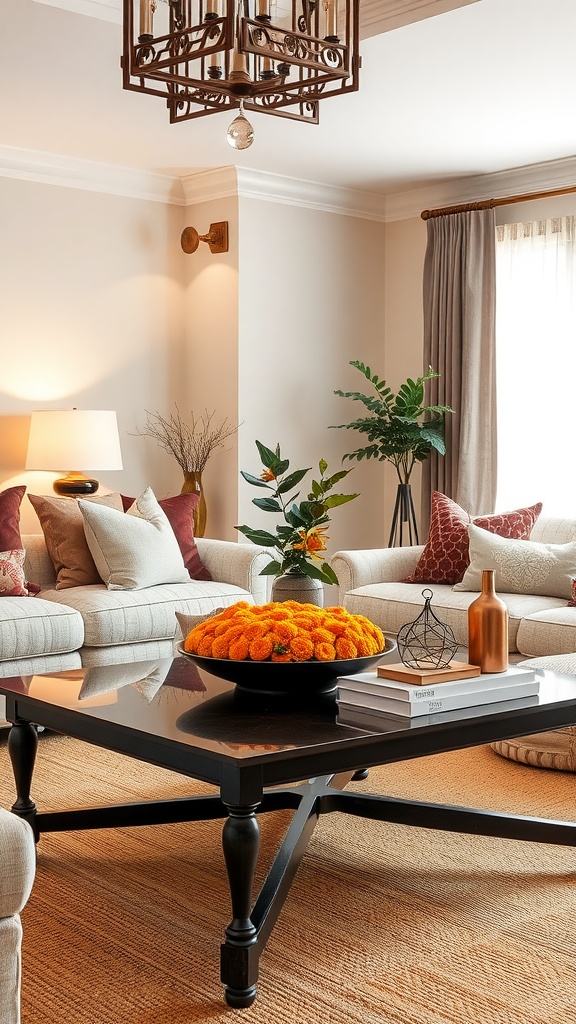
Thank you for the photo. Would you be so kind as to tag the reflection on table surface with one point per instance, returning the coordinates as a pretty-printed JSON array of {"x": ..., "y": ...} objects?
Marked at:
[{"x": 171, "y": 699}]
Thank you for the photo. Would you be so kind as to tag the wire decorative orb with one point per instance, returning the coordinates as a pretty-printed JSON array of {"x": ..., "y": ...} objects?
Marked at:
[{"x": 426, "y": 643}]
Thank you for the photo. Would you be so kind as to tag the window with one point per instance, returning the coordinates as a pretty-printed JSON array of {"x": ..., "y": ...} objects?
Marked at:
[{"x": 536, "y": 364}]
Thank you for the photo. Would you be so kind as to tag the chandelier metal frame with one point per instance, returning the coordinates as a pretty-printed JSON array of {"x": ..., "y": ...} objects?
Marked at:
[{"x": 219, "y": 54}]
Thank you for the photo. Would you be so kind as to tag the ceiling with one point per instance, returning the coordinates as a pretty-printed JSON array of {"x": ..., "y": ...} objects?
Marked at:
[{"x": 486, "y": 86}]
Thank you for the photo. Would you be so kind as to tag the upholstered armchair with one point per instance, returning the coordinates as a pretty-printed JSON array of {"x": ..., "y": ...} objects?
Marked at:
[{"x": 17, "y": 870}]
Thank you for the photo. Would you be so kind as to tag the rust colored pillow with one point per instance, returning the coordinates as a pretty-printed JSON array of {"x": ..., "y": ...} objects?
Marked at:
[
  {"x": 179, "y": 510},
  {"x": 445, "y": 556},
  {"x": 63, "y": 528},
  {"x": 572, "y": 601},
  {"x": 10, "y": 501}
]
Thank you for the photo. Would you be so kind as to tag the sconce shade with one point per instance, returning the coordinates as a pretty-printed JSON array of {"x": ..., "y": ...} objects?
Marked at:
[{"x": 75, "y": 438}]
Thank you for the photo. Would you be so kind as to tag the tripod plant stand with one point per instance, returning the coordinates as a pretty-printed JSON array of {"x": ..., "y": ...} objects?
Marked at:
[{"x": 404, "y": 513}]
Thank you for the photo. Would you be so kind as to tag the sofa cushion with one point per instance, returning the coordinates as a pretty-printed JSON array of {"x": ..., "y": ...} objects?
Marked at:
[
  {"x": 445, "y": 555},
  {"x": 548, "y": 632},
  {"x": 179, "y": 511},
  {"x": 392, "y": 605},
  {"x": 521, "y": 566},
  {"x": 63, "y": 528},
  {"x": 136, "y": 549},
  {"x": 39, "y": 627},
  {"x": 131, "y": 616}
]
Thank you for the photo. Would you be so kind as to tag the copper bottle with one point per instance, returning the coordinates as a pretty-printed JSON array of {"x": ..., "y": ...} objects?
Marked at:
[{"x": 488, "y": 628}]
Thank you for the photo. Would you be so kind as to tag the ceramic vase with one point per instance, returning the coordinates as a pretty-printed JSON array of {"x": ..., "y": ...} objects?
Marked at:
[
  {"x": 294, "y": 586},
  {"x": 193, "y": 485},
  {"x": 488, "y": 628}
]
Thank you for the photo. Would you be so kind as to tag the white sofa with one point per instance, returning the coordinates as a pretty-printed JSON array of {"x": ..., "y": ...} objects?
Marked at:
[
  {"x": 369, "y": 584},
  {"x": 18, "y": 860}
]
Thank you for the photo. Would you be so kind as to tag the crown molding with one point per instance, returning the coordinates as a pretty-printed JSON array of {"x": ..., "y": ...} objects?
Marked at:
[
  {"x": 378, "y": 16},
  {"x": 243, "y": 182},
  {"x": 91, "y": 176},
  {"x": 516, "y": 181},
  {"x": 211, "y": 183},
  {"x": 276, "y": 188},
  {"x": 246, "y": 183},
  {"x": 375, "y": 15}
]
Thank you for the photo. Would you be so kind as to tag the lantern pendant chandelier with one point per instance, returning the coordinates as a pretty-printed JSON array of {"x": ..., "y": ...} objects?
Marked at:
[{"x": 205, "y": 56}]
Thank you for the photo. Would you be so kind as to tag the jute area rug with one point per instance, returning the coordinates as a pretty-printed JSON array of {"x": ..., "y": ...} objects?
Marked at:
[{"x": 384, "y": 924}]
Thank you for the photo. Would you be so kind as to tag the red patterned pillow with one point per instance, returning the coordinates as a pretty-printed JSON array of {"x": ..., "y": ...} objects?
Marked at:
[
  {"x": 179, "y": 510},
  {"x": 12, "y": 579},
  {"x": 572, "y": 601},
  {"x": 445, "y": 556}
]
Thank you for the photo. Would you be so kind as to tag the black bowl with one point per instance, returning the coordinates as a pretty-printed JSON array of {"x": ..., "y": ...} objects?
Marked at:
[{"x": 291, "y": 678}]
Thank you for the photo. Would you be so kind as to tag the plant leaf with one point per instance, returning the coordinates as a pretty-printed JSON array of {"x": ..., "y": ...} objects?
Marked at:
[
  {"x": 261, "y": 537},
  {"x": 267, "y": 504}
]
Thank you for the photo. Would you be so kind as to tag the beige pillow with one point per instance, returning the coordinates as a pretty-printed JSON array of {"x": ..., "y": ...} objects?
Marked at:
[
  {"x": 133, "y": 549},
  {"x": 187, "y": 622},
  {"x": 63, "y": 528},
  {"x": 522, "y": 566}
]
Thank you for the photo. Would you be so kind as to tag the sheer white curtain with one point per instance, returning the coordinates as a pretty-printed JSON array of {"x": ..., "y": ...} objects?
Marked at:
[{"x": 536, "y": 364}]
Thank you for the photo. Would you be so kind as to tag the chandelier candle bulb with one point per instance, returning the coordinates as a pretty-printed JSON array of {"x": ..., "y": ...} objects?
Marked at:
[
  {"x": 263, "y": 9},
  {"x": 330, "y": 8},
  {"x": 146, "y": 11},
  {"x": 488, "y": 628}
]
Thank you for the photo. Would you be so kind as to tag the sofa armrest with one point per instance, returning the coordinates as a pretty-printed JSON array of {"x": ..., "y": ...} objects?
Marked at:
[
  {"x": 229, "y": 561},
  {"x": 373, "y": 565},
  {"x": 18, "y": 860}
]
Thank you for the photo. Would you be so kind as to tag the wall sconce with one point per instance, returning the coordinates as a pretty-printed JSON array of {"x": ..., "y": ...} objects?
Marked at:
[
  {"x": 217, "y": 238},
  {"x": 73, "y": 437}
]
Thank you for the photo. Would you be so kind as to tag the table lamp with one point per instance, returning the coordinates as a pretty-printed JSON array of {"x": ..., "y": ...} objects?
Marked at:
[{"x": 60, "y": 439}]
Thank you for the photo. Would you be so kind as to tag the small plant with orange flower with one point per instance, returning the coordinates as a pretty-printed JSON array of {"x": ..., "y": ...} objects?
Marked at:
[
  {"x": 283, "y": 632},
  {"x": 301, "y": 538}
]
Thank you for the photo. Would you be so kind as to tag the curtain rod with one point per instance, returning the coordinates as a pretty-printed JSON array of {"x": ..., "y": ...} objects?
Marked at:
[{"x": 488, "y": 204}]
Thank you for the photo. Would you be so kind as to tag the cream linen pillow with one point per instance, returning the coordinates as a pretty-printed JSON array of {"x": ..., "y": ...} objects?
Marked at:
[
  {"x": 133, "y": 549},
  {"x": 522, "y": 566}
]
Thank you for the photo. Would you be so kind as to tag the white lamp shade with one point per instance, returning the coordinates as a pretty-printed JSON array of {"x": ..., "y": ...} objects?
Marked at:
[{"x": 73, "y": 439}]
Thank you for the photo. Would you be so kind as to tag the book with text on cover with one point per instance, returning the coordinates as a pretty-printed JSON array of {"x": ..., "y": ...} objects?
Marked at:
[
  {"x": 353, "y": 717},
  {"x": 372, "y": 682},
  {"x": 409, "y": 709}
]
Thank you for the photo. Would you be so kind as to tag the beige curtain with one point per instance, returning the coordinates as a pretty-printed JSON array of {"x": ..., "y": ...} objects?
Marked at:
[{"x": 459, "y": 294}]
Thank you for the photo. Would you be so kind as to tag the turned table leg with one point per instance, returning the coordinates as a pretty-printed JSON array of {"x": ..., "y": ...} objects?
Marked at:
[
  {"x": 22, "y": 746},
  {"x": 239, "y": 953}
]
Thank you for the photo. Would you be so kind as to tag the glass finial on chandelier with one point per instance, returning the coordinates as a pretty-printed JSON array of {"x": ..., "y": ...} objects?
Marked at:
[{"x": 240, "y": 134}]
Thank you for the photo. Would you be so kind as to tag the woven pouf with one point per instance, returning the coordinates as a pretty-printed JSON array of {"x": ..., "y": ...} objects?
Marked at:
[{"x": 554, "y": 749}]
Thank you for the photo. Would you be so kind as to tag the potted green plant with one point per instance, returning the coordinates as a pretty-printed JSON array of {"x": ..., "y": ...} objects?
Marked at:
[
  {"x": 300, "y": 539},
  {"x": 400, "y": 429}
]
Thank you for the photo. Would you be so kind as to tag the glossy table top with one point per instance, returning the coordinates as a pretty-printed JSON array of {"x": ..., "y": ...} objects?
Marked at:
[{"x": 175, "y": 703}]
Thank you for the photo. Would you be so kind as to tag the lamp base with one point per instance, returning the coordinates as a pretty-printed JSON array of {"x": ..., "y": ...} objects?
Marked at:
[{"x": 75, "y": 484}]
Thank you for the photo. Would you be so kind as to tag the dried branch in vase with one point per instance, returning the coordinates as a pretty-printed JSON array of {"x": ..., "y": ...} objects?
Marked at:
[{"x": 190, "y": 442}]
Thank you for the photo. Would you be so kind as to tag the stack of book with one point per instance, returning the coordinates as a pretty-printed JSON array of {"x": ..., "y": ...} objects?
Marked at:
[{"x": 409, "y": 693}]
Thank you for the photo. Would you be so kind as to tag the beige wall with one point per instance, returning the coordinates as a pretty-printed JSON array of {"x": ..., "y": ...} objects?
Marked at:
[
  {"x": 403, "y": 320},
  {"x": 91, "y": 316},
  {"x": 311, "y": 299},
  {"x": 210, "y": 362},
  {"x": 101, "y": 309}
]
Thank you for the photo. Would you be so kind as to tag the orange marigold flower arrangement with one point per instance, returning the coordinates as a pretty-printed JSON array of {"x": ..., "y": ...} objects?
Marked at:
[{"x": 285, "y": 632}]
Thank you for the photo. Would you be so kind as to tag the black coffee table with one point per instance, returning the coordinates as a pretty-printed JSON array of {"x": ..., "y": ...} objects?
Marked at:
[{"x": 254, "y": 749}]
